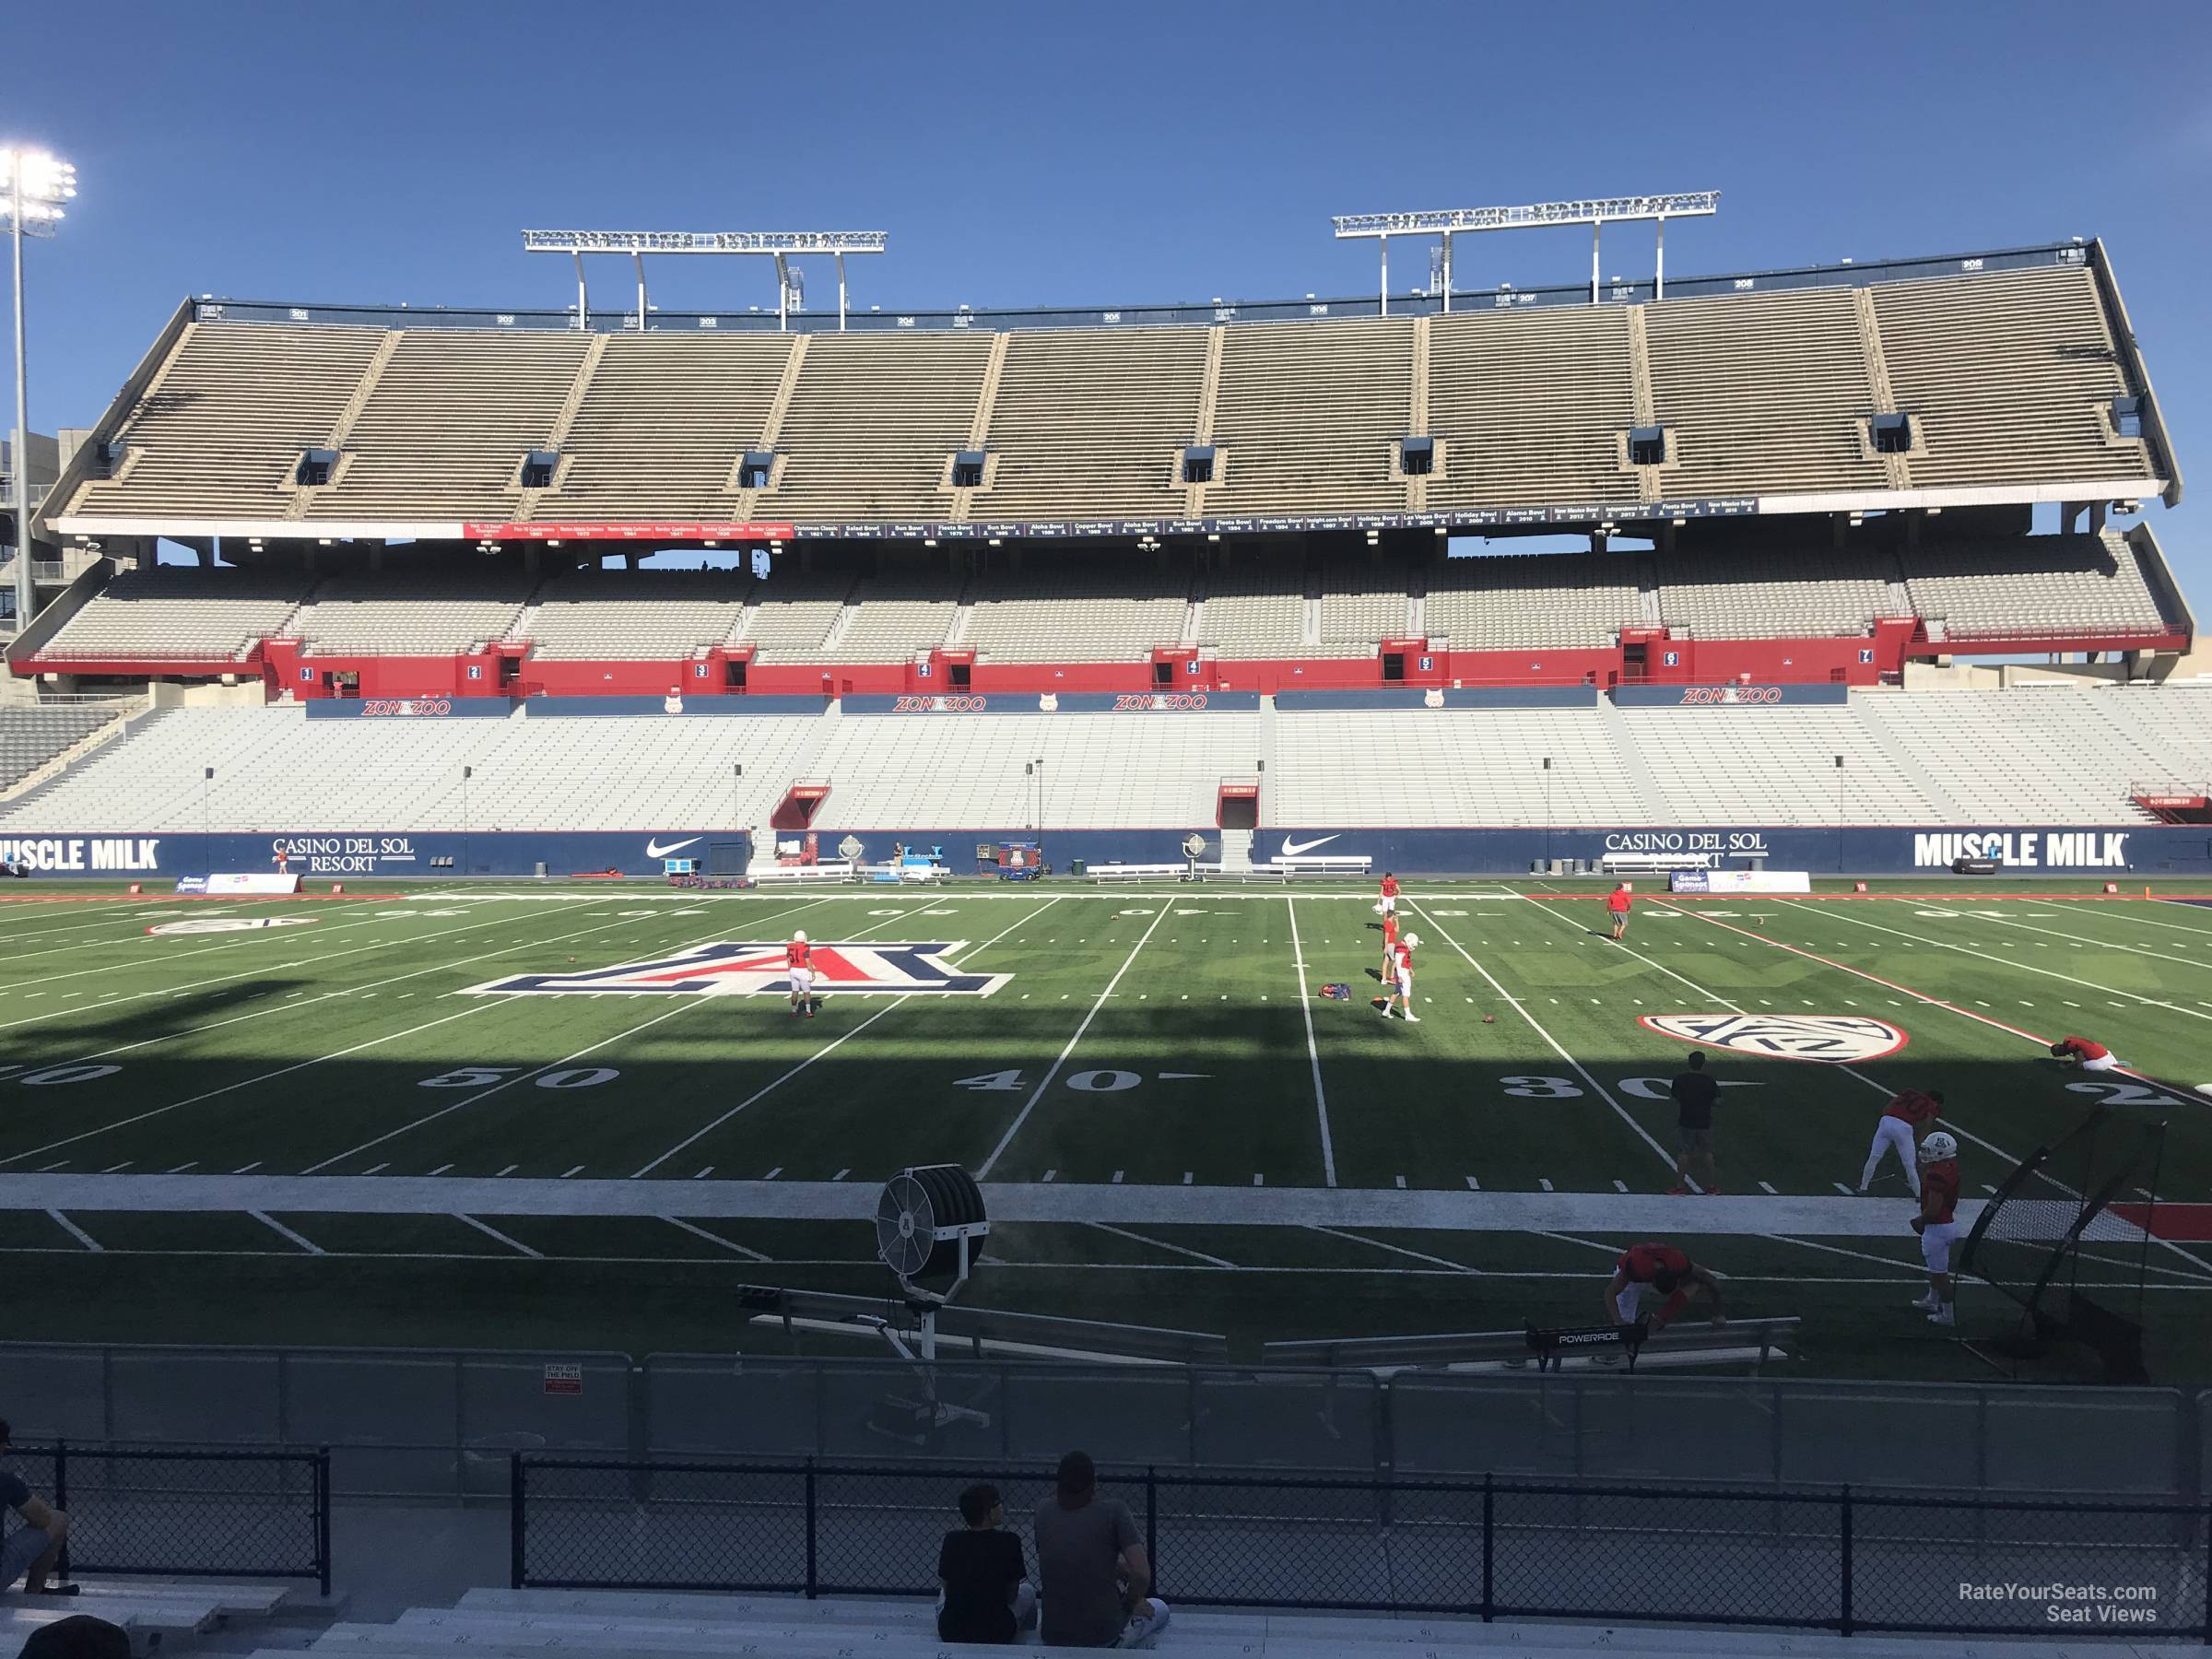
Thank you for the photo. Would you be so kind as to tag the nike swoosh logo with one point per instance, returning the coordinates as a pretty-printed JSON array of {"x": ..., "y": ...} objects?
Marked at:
[
  {"x": 1292, "y": 849},
  {"x": 655, "y": 849}
]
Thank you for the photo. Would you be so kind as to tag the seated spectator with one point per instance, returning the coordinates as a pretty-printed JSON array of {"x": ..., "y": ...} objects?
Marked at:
[
  {"x": 1091, "y": 1566},
  {"x": 31, "y": 1550},
  {"x": 987, "y": 1593},
  {"x": 79, "y": 1636}
]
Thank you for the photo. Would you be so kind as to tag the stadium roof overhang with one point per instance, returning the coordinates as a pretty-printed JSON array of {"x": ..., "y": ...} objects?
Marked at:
[{"x": 1564, "y": 516}]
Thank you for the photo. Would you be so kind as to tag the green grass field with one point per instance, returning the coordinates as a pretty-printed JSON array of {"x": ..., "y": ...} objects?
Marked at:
[{"x": 324, "y": 1132}]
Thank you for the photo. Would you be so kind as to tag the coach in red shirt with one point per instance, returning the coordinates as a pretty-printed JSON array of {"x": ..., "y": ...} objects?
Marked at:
[{"x": 1618, "y": 901}]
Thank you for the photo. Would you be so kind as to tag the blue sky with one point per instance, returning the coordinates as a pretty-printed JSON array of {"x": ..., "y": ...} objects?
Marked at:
[{"x": 1056, "y": 153}]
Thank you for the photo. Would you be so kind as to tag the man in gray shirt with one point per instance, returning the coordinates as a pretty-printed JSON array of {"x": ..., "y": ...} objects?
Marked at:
[{"x": 1094, "y": 1577}]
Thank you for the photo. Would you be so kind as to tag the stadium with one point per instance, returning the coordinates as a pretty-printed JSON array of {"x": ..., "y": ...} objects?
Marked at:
[{"x": 1077, "y": 687}]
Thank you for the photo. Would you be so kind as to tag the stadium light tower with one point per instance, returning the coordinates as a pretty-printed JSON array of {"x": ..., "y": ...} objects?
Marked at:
[
  {"x": 35, "y": 186},
  {"x": 1595, "y": 212},
  {"x": 783, "y": 246}
]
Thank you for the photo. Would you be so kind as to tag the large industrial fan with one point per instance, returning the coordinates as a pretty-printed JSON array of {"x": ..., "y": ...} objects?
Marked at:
[{"x": 926, "y": 1220}]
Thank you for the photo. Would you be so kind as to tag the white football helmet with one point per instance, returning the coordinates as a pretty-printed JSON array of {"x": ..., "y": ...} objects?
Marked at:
[
  {"x": 1413, "y": 941},
  {"x": 799, "y": 938},
  {"x": 1940, "y": 1147}
]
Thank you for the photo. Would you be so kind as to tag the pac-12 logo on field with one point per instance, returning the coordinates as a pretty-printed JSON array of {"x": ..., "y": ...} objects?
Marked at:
[
  {"x": 1837, "y": 1038},
  {"x": 752, "y": 968}
]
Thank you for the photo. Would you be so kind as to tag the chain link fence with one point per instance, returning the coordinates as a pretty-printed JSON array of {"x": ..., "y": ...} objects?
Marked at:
[
  {"x": 444, "y": 1423},
  {"x": 207, "y": 1513},
  {"x": 1836, "y": 1559}
]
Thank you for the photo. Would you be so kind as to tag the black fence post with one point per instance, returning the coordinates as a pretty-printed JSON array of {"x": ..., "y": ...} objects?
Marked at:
[
  {"x": 515, "y": 1521},
  {"x": 813, "y": 1578},
  {"x": 1489, "y": 1520},
  {"x": 1845, "y": 1624},
  {"x": 1151, "y": 1524},
  {"x": 61, "y": 1501},
  {"x": 323, "y": 1521}
]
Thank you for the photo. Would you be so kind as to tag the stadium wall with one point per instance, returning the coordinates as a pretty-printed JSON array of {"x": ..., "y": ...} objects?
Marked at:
[{"x": 2138, "y": 850}]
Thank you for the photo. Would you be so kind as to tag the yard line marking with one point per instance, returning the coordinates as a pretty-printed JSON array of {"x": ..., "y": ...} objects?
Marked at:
[
  {"x": 1305, "y": 1006},
  {"x": 768, "y": 1088},
  {"x": 276, "y": 1226},
  {"x": 376, "y": 1169},
  {"x": 494, "y": 1232},
  {"x": 75, "y": 1231},
  {"x": 510, "y": 1169},
  {"x": 1766, "y": 1187},
  {"x": 272, "y": 938},
  {"x": 1028, "y": 1106},
  {"x": 394, "y": 980},
  {"x": 2104, "y": 943},
  {"x": 715, "y": 1238},
  {"x": 1399, "y": 1249},
  {"x": 570, "y": 1174},
  {"x": 2024, "y": 968},
  {"x": 535, "y": 1071},
  {"x": 126, "y": 1164},
  {"x": 1121, "y": 1232},
  {"x": 1936, "y": 1002},
  {"x": 682, "y": 1006},
  {"x": 1596, "y": 1088},
  {"x": 242, "y": 1083}
]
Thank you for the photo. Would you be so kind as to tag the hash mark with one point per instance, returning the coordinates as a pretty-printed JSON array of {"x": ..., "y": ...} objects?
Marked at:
[
  {"x": 577, "y": 1171},
  {"x": 1259, "y": 1180},
  {"x": 442, "y": 1168},
  {"x": 1544, "y": 1183},
  {"x": 1847, "y": 1191},
  {"x": 374, "y": 1169},
  {"x": 510, "y": 1169},
  {"x": 1401, "y": 1180},
  {"x": 774, "y": 1173},
  {"x": 840, "y": 1174},
  {"x": 704, "y": 1173},
  {"x": 1474, "y": 1185},
  {"x": 1766, "y": 1186},
  {"x": 1186, "y": 1178},
  {"x": 1117, "y": 1178},
  {"x": 1049, "y": 1173},
  {"x": 1620, "y": 1186}
]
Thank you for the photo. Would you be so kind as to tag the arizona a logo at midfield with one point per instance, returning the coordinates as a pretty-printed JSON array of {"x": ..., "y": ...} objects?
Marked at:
[
  {"x": 1837, "y": 1038},
  {"x": 730, "y": 968}
]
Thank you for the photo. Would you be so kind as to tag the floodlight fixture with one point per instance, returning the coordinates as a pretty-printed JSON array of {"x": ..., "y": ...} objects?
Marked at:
[
  {"x": 778, "y": 245},
  {"x": 33, "y": 185},
  {"x": 1595, "y": 212}
]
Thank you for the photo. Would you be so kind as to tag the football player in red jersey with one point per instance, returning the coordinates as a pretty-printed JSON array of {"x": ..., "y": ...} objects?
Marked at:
[
  {"x": 1398, "y": 988},
  {"x": 2093, "y": 1056},
  {"x": 1905, "y": 1122},
  {"x": 1390, "y": 951},
  {"x": 1390, "y": 895},
  {"x": 1646, "y": 1268},
  {"x": 798, "y": 961},
  {"x": 1937, "y": 1224}
]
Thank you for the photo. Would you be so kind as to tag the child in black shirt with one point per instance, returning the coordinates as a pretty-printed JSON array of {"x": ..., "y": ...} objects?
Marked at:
[{"x": 986, "y": 1593}]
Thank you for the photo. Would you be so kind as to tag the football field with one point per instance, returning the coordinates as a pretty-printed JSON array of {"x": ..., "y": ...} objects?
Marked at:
[{"x": 508, "y": 1114}]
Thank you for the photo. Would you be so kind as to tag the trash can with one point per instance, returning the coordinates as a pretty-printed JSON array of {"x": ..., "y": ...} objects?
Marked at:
[{"x": 1077, "y": 867}]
